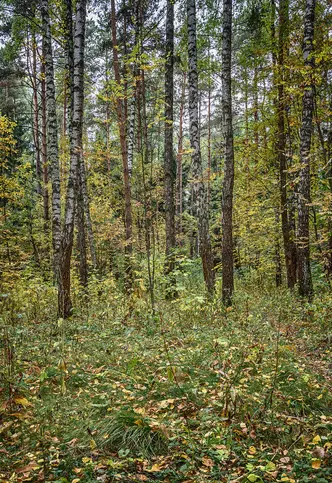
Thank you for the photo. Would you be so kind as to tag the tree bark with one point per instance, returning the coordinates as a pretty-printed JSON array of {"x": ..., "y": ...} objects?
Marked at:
[
  {"x": 227, "y": 257},
  {"x": 76, "y": 148},
  {"x": 168, "y": 155},
  {"x": 281, "y": 147},
  {"x": 304, "y": 271},
  {"x": 52, "y": 134},
  {"x": 199, "y": 191},
  {"x": 179, "y": 183}
]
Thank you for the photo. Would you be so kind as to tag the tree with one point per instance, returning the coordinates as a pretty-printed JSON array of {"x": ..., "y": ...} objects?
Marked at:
[
  {"x": 228, "y": 182},
  {"x": 199, "y": 192},
  {"x": 304, "y": 271},
  {"x": 52, "y": 136},
  {"x": 76, "y": 158},
  {"x": 169, "y": 178}
]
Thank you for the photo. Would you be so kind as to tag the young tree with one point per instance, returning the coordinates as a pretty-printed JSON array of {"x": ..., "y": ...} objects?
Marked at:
[
  {"x": 304, "y": 271},
  {"x": 228, "y": 182},
  {"x": 199, "y": 192}
]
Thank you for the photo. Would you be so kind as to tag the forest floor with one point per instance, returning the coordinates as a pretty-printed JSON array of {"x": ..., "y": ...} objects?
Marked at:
[{"x": 192, "y": 393}]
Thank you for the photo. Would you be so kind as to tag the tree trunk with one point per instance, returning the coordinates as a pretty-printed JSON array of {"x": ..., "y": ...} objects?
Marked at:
[
  {"x": 44, "y": 146},
  {"x": 179, "y": 183},
  {"x": 228, "y": 182},
  {"x": 168, "y": 155},
  {"x": 52, "y": 135},
  {"x": 281, "y": 146},
  {"x": 304, "y": 271},
  {"x": 76, "y": 148},
  {"x": 122, "y": 123},
  {"x": 199, "y": 192}
]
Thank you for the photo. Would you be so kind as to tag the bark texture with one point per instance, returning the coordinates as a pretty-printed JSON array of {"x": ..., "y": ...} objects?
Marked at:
[
  {"x": 168, "y": 156},
  {"x": 76, "y": 153},
  {"x": 52, "y": 134},
  {"x": 198, "y": 187},
  {"x": 304, "y": 271},
  {"x": 227, "y": 258}
]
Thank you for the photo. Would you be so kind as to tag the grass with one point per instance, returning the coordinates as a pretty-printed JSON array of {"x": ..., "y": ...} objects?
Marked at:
[{"x": 193, "y": 393}]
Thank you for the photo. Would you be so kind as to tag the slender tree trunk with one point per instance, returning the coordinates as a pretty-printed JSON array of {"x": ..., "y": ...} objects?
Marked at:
[
  {"x": 281, "y": 146},
  {"x": 36, "y": 129},
  {"x": 199, "y": 192},
  {"x": 52, "y": 134},
  {"x": 304, "y": 271},
  {"x": 168, "y": 155},
  {"x": 179, "y": 183},
  {"x": 122, "y": 123},
  {"x": 228, "y": 182},
  {"x": 44, "y": 145},
  {"x": 76, "y": 148}
]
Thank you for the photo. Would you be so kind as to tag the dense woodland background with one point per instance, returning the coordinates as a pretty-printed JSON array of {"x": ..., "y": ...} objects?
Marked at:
[{"x": 166, "y": 240}]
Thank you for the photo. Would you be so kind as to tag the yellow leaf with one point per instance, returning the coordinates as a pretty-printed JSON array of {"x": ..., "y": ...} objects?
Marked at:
[
  {"x": 22, "y": 401},
  {"x": 315, "y": 463},
  {"x": 75, "y": 480},
  {"x": 252, "y": 450},
  {"x": 86, "y": 460},
  {"x": 316, "y": 439},
  {"x": 139, "y": 422},
  {"x": 93, "y": 444}
]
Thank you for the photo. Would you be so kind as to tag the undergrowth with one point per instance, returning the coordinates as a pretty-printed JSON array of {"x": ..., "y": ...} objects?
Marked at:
[{"x": 189, "y": 392}]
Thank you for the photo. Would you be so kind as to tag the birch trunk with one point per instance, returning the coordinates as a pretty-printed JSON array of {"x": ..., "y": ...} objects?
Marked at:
[
  {"x": 76, "y": 148},
  {"x": 304, "y": 271},
  {"x": 52, "y": 134},
  {"x": 227, "y": 257},
  {"x": 199, "y": 191}
]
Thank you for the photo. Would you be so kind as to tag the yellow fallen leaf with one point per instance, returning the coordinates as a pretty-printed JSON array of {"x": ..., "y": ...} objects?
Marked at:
[
  {"x": 93, "y": 444},
  {"x": 252, "y": 450},
  {"x": 316, "y": 439},
  {"x": 75, "y": 480},
  {"x": 22, "y": 401},
  {"x": 315, "y": 463}
]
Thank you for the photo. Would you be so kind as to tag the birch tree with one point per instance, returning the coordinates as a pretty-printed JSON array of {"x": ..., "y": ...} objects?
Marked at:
[
  {"x": 199, "y": 192},
  {"x": 304, "y": 271}
]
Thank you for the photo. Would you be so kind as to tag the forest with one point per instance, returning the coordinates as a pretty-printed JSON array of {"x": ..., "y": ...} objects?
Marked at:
[{"x": 165, "y": 241}]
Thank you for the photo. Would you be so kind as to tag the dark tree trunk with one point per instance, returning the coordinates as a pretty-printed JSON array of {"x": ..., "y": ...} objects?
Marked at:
[
  {"x": 228, "y": 182},
  {"x": 304, "y": 271},
  {"x": 289, "y": 243},
  {"x": 199, "y": 191}
]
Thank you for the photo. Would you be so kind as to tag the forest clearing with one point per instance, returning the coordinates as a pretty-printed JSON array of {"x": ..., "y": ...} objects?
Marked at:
[{"x": 165, "y": 241}]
